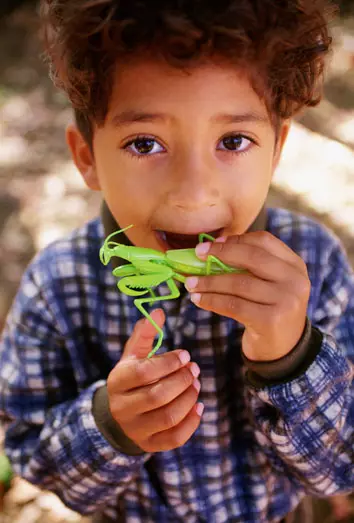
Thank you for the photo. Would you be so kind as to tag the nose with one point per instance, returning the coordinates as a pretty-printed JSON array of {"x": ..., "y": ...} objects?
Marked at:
[{"x": 195, "y": 185}]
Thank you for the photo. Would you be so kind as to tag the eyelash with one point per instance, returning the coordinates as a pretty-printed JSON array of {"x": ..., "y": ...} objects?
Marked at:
[{"x": 147, "y": 137}]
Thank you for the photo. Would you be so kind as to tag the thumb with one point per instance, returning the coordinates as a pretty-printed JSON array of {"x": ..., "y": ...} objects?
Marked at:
[{"x": 142, "y": 339}]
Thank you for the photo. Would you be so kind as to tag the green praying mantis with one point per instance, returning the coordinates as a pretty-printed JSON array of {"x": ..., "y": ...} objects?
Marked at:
[{"x": 149, "y": 268}]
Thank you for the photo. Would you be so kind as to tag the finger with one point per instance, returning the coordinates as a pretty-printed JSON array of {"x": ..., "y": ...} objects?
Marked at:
[
  {"x": 177, "y": 436},
  {"x": 271, "y": 244},
  {"x": 248, "y": 313},
  {"x": 166, "y": 417},
  {"x": 146, "y": 399},
  {"x": 255, "y": 259},
  {"x": 133, "y": 373},
  {"x": 142, "y": 339},
  {"x": 244, "y": 285}
]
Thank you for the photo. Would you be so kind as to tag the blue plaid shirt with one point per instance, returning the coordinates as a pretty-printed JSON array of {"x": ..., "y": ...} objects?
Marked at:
[{"x": 257, "y": 451}]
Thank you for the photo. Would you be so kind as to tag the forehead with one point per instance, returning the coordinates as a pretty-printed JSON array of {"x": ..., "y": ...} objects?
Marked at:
[{"x": 151, "y": 81}]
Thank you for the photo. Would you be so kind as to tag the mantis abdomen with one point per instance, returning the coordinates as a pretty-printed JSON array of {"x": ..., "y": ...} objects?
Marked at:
[{"x": 186, "y": 261}]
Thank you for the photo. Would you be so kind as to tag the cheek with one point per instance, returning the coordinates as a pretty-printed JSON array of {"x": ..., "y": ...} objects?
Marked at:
[
  {"x": 126, "y": 189},
  {"x": 251, "y": 178},
  {"x": 249, "y": 189}
]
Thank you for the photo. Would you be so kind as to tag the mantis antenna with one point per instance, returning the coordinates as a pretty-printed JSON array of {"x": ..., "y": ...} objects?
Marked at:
[{"x": 117, "y": 232}]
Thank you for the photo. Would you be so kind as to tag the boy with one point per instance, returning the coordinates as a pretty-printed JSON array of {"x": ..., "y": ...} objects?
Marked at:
[{"x": 182, "y": 109}]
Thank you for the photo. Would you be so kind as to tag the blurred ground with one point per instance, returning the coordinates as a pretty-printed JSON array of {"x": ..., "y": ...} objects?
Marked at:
[{"x": 42, "y": 197}]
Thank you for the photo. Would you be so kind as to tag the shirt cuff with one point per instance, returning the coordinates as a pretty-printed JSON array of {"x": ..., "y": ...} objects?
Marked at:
[
  {"x": 109, "y": 428},
  {"x": 267, "y": 373}
]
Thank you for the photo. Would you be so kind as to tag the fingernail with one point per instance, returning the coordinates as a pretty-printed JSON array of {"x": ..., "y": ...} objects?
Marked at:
[
  {"x": 196, "y": 385},
  {"x": 202, "y": 248},
  {"x": 195, "y": 297},
  {"x": 221, "y": 239},
  {"x": 195, "y": 370},
  {"x": 184, "y": 357},
  {"x": 199, "y": 408},
  {"x": 191, "y": 283}
]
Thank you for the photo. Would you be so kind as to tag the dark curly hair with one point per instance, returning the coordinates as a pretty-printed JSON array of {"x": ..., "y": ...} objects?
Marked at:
[{"x": 281, "y": 43}]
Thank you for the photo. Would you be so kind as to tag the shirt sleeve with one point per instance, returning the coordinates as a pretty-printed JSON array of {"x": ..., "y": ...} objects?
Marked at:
[
  {"x": 52, "y": 439},
  {"x": 305, "y": 425}
]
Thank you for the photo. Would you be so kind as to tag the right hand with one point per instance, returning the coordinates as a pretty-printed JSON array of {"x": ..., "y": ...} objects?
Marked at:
[{"x": 154, "y": 400}]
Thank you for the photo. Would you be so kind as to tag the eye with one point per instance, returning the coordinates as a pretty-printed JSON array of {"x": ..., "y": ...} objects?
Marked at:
[
  {"x": 143, "y": 146},
  {"x": 235, "y": 143}
]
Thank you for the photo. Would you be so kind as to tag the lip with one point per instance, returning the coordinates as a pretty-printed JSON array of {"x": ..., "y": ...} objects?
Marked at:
[{"x": 160, "y": 235}]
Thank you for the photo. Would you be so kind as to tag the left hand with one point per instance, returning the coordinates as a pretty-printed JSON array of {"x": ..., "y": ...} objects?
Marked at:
[{"x": 270, "y": 300}]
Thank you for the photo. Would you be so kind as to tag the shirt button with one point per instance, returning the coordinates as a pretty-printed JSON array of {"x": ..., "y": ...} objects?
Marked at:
[{"x": 189, "y": 329}]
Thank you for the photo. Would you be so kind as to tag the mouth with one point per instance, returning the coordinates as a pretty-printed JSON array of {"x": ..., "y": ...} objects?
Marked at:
[{"x": 173, "y": 240}]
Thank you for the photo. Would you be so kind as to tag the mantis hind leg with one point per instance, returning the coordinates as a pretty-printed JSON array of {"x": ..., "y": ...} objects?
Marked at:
[
  {"x": 139, "y": 305},
  {"x": 153, "y": 295},
  {"x": 213, "y": 259},
  {"x": 204, "y": 236}
]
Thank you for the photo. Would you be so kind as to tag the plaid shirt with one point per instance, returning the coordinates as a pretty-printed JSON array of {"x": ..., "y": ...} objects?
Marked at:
[{"x": 257, "y": 451}]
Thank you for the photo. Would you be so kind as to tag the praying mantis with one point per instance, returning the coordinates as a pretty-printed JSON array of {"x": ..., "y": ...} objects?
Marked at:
[{"x": 149, "y": 268}]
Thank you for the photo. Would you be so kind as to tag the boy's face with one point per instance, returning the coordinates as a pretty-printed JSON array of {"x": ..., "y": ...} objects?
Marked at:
[{"x": 181, "y": 152}]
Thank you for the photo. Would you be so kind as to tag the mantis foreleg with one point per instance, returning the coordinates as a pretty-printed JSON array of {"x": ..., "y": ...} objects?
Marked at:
[
  {"x": 139, "y": 304},
  {"x": 124, "y": 270},
  {"x": 129, "y": 270}
]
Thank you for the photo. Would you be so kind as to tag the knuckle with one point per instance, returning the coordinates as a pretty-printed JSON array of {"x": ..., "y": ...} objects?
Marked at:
[
  {"x": 304, "y": 287},
  {"x": 168, "y": 418},
  {"x": 155, "y": 395},
  {"x": 244, "y": 282},
  {"x": 218, "y": 249},
  {"x": 255, "y": 257},
  {"x": 293, "y": 303},
  {"x": 233, "y": 304},
  {"x": 186, "y": 377},
  {"x": 117, "y": 410},
  {"x": 173, "y": 362},
  {"x": 143, "y": 371}
]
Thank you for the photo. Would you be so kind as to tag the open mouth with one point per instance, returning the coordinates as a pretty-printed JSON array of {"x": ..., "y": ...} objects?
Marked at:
[{"x": 173, "y": 240}]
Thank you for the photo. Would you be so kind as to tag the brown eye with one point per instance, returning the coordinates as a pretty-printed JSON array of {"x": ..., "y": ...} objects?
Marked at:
[
  {"x": 235, "y": 143},
  {"x": 143, "y": 146}
]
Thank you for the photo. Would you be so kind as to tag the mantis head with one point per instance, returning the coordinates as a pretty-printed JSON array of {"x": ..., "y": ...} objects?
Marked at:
[{"x": 111, "y": 248}]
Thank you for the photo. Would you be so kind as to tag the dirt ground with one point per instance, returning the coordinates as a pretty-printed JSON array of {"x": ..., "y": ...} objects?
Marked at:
[{"x": 42, "y": 197}]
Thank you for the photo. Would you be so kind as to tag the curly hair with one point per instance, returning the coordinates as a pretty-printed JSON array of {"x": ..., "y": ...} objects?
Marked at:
[{"x": 282, "y": 44}]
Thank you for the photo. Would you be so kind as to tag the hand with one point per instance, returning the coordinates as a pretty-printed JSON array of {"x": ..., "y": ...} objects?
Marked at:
[
  {"x": 154, "y": 400},
  {"x": 270, "y": 299}
]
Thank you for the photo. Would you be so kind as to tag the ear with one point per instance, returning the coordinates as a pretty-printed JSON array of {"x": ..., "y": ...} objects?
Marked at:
[
  {"x": 282, "y": 136},
  {"x": 83, "y": 157}
]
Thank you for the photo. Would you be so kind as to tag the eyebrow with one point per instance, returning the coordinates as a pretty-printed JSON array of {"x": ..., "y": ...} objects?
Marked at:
[{"x": 130, "y": 117}]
